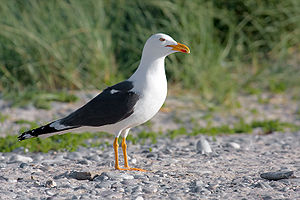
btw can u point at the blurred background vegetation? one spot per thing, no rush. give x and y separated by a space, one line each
237 47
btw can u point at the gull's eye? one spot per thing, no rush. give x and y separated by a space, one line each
162 39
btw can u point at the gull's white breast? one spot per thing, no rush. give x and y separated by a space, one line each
152 96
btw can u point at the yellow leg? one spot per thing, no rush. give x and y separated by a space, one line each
124 147
116 146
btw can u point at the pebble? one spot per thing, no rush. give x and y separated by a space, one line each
83 162
2 178
50 184
150 190
277 175
99 178
38 157
133 161
74 156
50 193
234 145
24 165
82 175
2 165
93 158
104 185
137 189
20 158
126 176
263 185
203 146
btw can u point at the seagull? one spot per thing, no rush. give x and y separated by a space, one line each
127 104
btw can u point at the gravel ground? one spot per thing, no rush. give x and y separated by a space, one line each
177 170
226 167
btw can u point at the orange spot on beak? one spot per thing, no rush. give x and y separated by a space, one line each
180 47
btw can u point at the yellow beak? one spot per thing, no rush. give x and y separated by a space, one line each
180 47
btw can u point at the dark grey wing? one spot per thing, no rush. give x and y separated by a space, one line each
114 104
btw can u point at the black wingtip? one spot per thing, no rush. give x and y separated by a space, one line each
25 135
20 137
41 131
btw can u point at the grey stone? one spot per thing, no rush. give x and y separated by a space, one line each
3 165
150 190
65 186
102 177
203 146
137 189
128 190
81 175
85 196
175 197
129 182
104 185
262 185
37 157
113 175
201 190
94 158
267 198
212 186
23 165
50 193
118 176
151 155
115 195
74 156
199 183
50 183
81 187
115 185
83 162
277 175
63 175
2 178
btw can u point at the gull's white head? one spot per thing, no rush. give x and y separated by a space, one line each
161 45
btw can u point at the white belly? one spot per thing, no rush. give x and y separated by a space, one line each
149 104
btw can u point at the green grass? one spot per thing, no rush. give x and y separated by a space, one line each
3 117
70 142
40 99
268 126
47 46
66 142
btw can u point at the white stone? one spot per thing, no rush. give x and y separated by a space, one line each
203 146
133 161
19 158
126 176
234 145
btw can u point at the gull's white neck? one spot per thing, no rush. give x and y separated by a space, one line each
151 71
150 83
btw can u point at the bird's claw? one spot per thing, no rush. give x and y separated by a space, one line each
131 169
